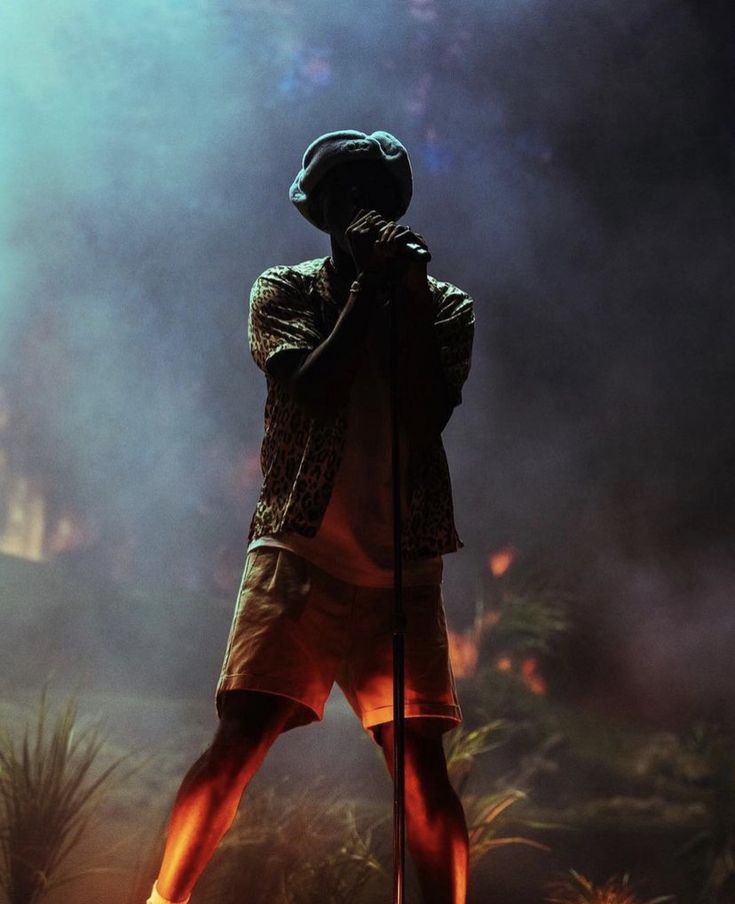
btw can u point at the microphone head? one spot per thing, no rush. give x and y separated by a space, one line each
418 252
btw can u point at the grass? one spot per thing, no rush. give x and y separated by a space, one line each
315 844
293 848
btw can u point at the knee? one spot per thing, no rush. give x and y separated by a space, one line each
235 744
226 756
417 729
427 780
423 737
428 795
249 724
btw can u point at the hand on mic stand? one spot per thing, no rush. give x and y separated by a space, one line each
388 252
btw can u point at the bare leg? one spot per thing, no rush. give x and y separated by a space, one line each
210 792
436 830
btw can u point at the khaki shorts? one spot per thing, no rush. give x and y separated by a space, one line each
296 630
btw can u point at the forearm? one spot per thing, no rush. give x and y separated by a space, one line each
322 381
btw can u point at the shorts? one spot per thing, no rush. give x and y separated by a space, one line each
297 629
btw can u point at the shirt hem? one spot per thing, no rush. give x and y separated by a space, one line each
409 580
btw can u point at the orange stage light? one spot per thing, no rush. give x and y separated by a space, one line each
501 559
463 654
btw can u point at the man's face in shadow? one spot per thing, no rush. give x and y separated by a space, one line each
351 186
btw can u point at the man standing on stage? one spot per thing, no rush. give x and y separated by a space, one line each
315 603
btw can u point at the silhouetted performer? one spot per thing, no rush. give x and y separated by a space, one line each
315 603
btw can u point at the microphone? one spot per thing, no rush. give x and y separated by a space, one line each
416 252
412 250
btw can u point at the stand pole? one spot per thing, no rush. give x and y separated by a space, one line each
399 796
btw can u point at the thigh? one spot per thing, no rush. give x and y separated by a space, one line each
250 720
430 689
287 634
245 710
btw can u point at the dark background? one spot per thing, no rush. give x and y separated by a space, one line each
573 168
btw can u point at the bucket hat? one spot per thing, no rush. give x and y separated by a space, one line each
334 148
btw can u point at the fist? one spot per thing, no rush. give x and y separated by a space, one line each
376 245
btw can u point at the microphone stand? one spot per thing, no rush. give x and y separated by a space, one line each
399 620
399 795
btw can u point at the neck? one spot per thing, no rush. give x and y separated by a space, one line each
343 261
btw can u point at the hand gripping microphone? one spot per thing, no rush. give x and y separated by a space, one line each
411 250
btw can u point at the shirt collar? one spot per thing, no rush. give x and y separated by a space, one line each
330 285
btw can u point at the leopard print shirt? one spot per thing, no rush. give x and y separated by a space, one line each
295 307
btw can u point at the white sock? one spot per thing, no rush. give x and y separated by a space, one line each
157 898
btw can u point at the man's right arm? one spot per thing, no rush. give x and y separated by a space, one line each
320 379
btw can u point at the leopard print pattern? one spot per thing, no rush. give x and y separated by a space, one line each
295 307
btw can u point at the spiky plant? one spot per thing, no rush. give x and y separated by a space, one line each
527 606
713 845
520 620
483 816
483 812
577 889
463 746
47 799
528 623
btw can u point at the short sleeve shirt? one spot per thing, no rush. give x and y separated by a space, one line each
296 307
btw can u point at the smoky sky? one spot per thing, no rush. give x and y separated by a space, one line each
572 172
